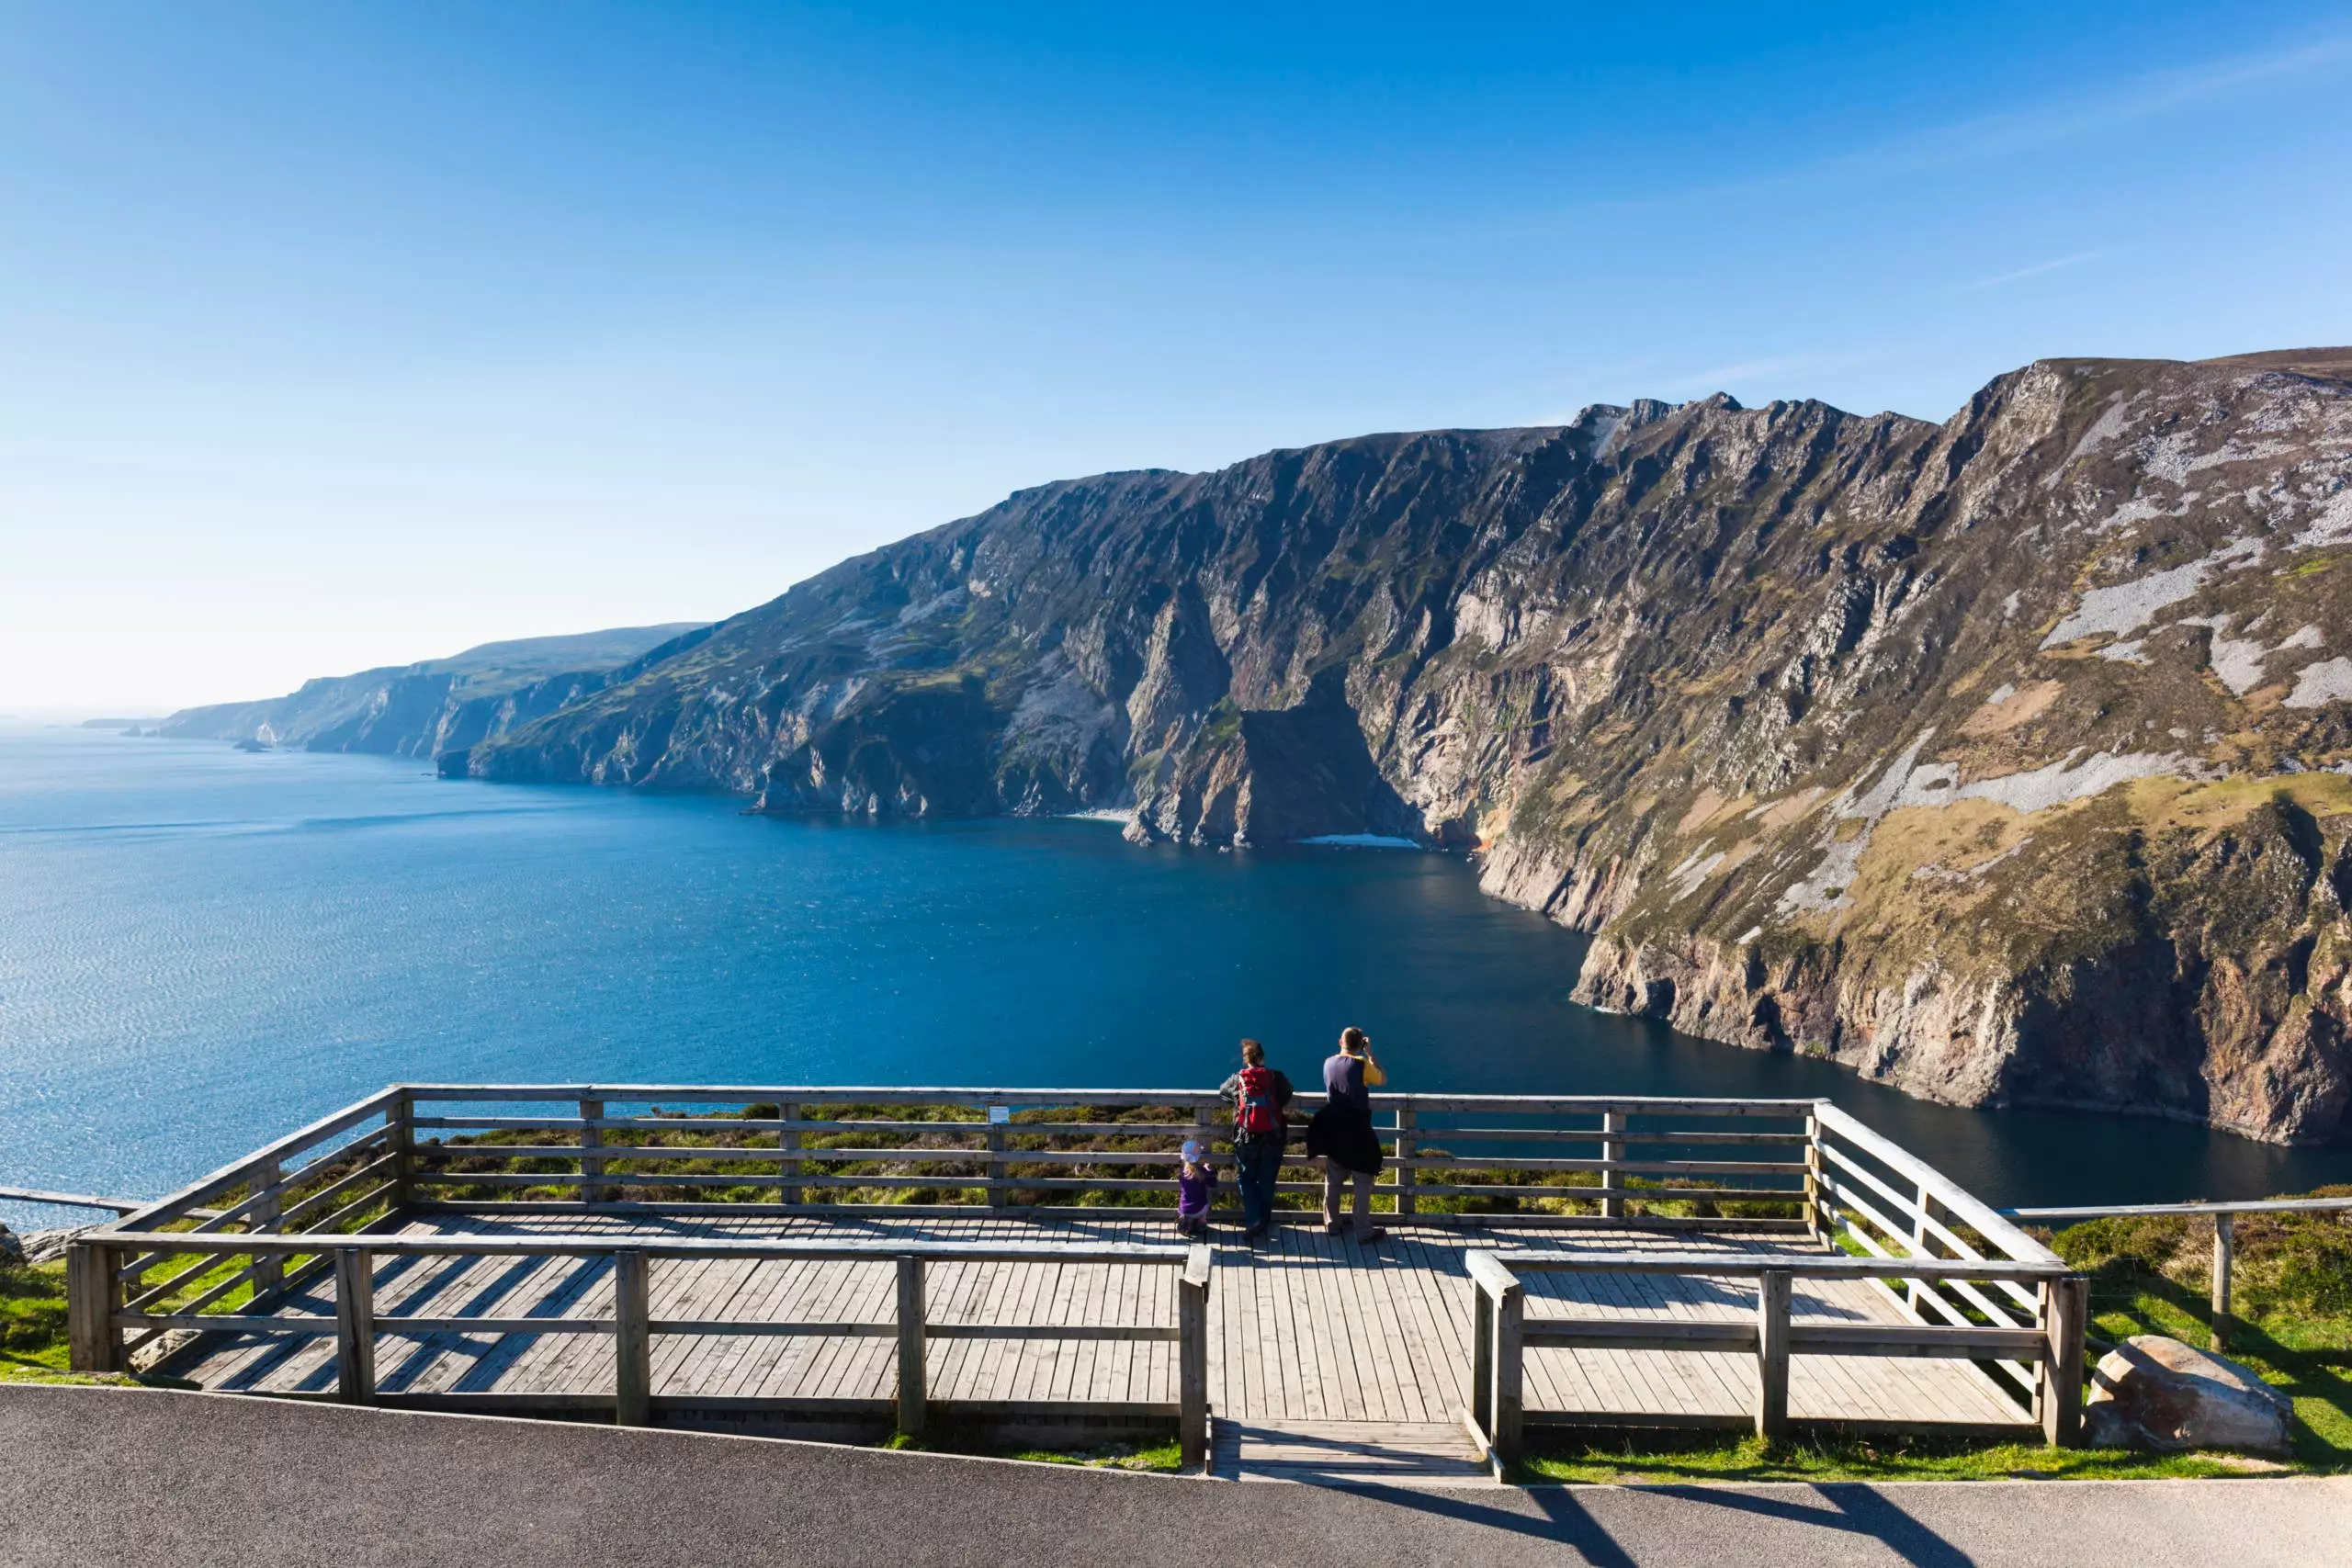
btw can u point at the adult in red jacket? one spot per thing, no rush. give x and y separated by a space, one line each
1261 1097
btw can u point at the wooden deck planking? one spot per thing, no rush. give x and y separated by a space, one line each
1305 1328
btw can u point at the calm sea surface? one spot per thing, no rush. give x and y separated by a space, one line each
201 948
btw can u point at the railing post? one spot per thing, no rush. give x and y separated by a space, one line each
91 1287
1482 1361
2224 1248
1193 1357
269 1267
787 1168
1612 1151
2066 1309
1774 1290
1813 1222
591 1167
1510 1411
401 1119
1406 1123
355 1326
632 1340
998 1196
911 1347
1914 1289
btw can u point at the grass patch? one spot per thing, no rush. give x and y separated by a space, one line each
32 1320
2292 1300
1656 1459
1164 1459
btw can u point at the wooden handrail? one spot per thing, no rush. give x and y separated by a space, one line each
1963 1205
71 1200
173 1205
561 1246
2231 1206
1798 1265
711 1094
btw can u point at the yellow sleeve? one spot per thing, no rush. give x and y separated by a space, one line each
1373 1076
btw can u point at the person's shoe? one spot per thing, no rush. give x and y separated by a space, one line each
1370 1234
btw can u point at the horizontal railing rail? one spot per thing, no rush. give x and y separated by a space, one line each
609 1160
2222 1212
100 1320
69 1200
2194 1208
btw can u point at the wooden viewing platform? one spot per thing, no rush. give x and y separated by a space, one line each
1809 1274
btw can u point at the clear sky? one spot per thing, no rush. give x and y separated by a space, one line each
342 334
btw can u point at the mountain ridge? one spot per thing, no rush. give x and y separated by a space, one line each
435 705
2007 759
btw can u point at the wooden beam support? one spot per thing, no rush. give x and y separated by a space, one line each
787 1140
632 1339
2066 1309
1774 1290
269 1267
1812 1223
1507 1400
1612 1152
1406 1125
355 1326
92 1286
592 1167
2224 1252
1192 1358
912 1400
1481 1363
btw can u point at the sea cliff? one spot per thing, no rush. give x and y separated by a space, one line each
2004 760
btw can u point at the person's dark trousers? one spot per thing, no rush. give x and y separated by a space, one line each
1261 1163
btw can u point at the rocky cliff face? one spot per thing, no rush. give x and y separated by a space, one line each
436 706
2004 760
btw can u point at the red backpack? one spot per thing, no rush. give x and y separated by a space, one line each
1256 1112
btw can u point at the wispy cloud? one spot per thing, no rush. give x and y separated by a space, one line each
2025 272
2118 106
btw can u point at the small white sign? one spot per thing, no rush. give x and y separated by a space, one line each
999 1114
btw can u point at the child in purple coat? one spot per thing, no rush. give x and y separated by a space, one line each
1195 1189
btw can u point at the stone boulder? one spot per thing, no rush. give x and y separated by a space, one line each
11 1250
2155 1392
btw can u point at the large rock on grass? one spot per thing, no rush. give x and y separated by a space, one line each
2155 1392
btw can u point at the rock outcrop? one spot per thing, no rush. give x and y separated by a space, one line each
2156 1393
2007 759
438 704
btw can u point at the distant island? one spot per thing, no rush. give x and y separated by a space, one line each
2006 761
430 707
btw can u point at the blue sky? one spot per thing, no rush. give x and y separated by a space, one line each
348 335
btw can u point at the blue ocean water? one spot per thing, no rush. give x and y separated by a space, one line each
201 948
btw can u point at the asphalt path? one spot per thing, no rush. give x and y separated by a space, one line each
95 1477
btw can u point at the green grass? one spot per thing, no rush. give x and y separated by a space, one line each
1159 1458
1652 1459
2293 1303
32 1321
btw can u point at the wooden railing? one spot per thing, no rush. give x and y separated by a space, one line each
2224 1233
1632 1149
1875 1199
356 1324
1970 1285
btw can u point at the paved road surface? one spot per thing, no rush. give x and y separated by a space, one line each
97 1477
